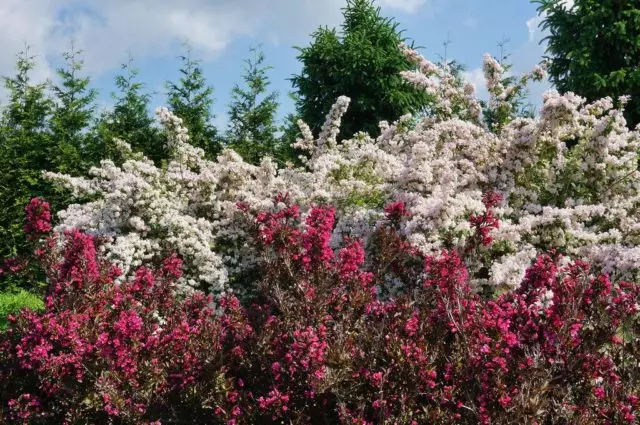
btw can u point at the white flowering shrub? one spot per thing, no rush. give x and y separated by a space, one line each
582 202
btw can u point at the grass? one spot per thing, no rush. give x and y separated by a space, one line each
14 301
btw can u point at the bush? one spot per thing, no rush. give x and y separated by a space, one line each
581 201
330 337
101 350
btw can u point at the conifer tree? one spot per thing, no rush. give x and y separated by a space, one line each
130 119
77 147
593 48
26 148
364 63
252 126
191 98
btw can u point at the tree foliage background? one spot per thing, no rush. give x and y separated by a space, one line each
129 119
362 62
594 49
191 98
26 148
252 113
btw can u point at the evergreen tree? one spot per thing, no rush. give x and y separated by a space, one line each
191 99
26 148
73 113
130 119
252 126
364 63
290 132
594 49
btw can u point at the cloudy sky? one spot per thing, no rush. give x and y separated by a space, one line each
222 31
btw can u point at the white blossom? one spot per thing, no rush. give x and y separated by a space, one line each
583 201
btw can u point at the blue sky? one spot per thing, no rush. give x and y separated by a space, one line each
222 31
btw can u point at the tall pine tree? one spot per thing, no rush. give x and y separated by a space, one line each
130 119
362 62
26 148
252 126
191 98
72 117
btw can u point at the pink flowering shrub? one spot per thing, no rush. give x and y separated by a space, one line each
15 273
103 351
326 339
38 218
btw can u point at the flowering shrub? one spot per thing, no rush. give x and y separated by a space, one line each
38 218
582 202
325 339
101 350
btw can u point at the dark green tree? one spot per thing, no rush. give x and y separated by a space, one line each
290 131
130 119
26 148
252 128
594 49
362 62
77 147
191 98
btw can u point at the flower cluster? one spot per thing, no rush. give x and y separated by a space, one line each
452 99
321 340
102 350
568 179
38 218
504 92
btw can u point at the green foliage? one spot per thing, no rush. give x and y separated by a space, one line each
72 114
367 197
191 99
290 132
363 172
26 148
39 132
130 119
13 302
372 198
364 63
594 49
252 125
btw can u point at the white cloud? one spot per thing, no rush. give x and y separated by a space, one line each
407 6
529 54
25 22
151 28
533 27
476 77
105 30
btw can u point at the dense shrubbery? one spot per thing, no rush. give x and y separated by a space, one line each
581 201
55 126
322 341
470 266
